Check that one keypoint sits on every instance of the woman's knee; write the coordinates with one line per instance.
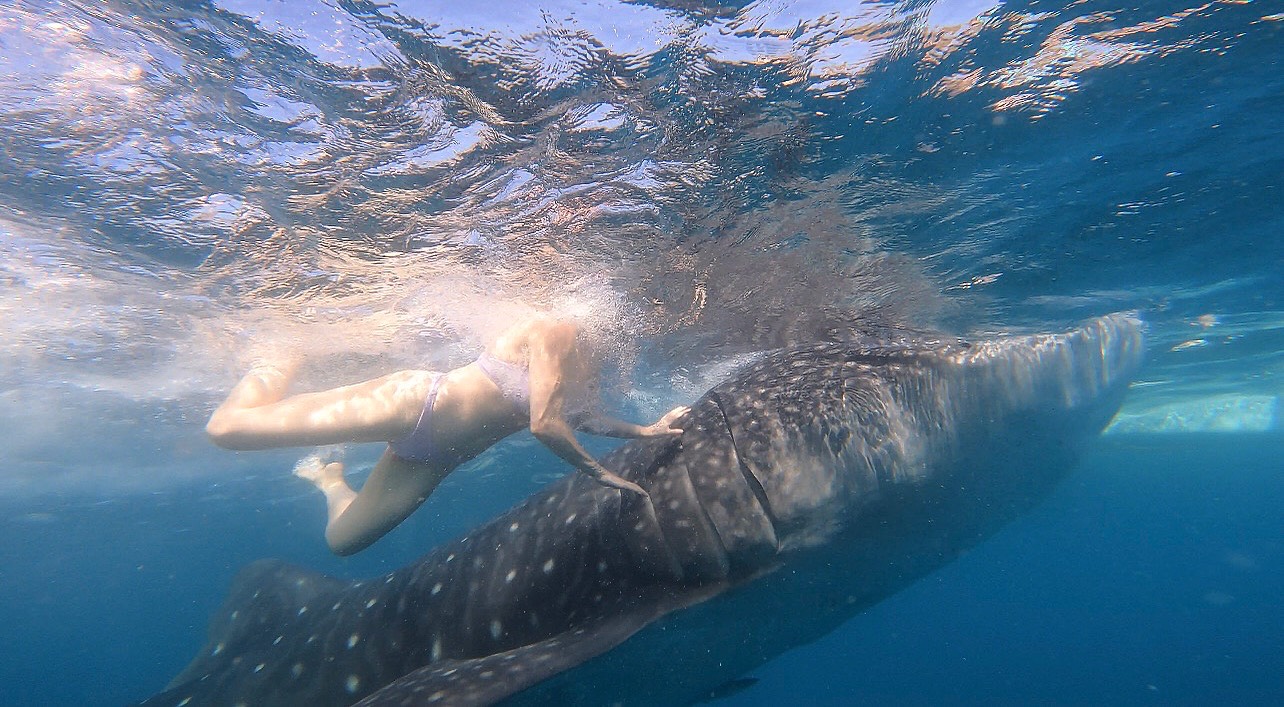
(343, 542)
(222, 429)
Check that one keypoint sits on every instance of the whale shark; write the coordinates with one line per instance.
(808, 486)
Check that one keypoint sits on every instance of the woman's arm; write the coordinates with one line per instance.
(554, 363)
(606, 426)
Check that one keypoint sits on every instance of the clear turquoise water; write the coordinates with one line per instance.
(185, 187)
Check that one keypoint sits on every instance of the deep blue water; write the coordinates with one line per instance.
(185, 187)
(1151, 577)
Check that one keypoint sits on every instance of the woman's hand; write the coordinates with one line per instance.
(664, 425)
(604, 476)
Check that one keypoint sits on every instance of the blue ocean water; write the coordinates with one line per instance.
(185, 187)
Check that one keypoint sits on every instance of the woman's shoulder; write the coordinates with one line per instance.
(545, 330)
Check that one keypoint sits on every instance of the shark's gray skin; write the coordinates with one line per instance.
(812, 484)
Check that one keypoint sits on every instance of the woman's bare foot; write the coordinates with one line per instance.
(313, 469)
(328, 478)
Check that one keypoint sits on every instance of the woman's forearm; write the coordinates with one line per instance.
(598, 424)
(606, 426)
(557, 436)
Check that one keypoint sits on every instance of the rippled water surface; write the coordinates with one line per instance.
(185, 187)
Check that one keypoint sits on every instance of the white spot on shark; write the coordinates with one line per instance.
(302, 610)
(496, 629)
(217, 649)
(436, 589)
(570, 519)
(352, 683)
(436, 648)
(513, 528)
(512, 574)
(548, 566)
(296, 670)
(353, 639)
(278, 640)
(371, 603)
(259, 667)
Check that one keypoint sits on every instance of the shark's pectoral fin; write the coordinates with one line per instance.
(483, 681)
(489, 679)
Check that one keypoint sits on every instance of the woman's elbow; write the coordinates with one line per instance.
(541, 432)
(548, 431)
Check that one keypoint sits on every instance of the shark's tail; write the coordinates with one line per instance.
(270, 606)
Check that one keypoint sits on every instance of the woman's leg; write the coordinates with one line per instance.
(257, 415)
(396, 487)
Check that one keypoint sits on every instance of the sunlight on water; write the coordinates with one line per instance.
(180, 217)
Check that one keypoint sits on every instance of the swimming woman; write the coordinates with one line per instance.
(535, 374)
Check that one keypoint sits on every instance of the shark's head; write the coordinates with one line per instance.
(780, 455)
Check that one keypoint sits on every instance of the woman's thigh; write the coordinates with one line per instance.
(376, 410)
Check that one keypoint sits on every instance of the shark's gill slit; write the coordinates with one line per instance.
(754, 484)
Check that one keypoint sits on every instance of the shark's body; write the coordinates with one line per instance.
(809, 486)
